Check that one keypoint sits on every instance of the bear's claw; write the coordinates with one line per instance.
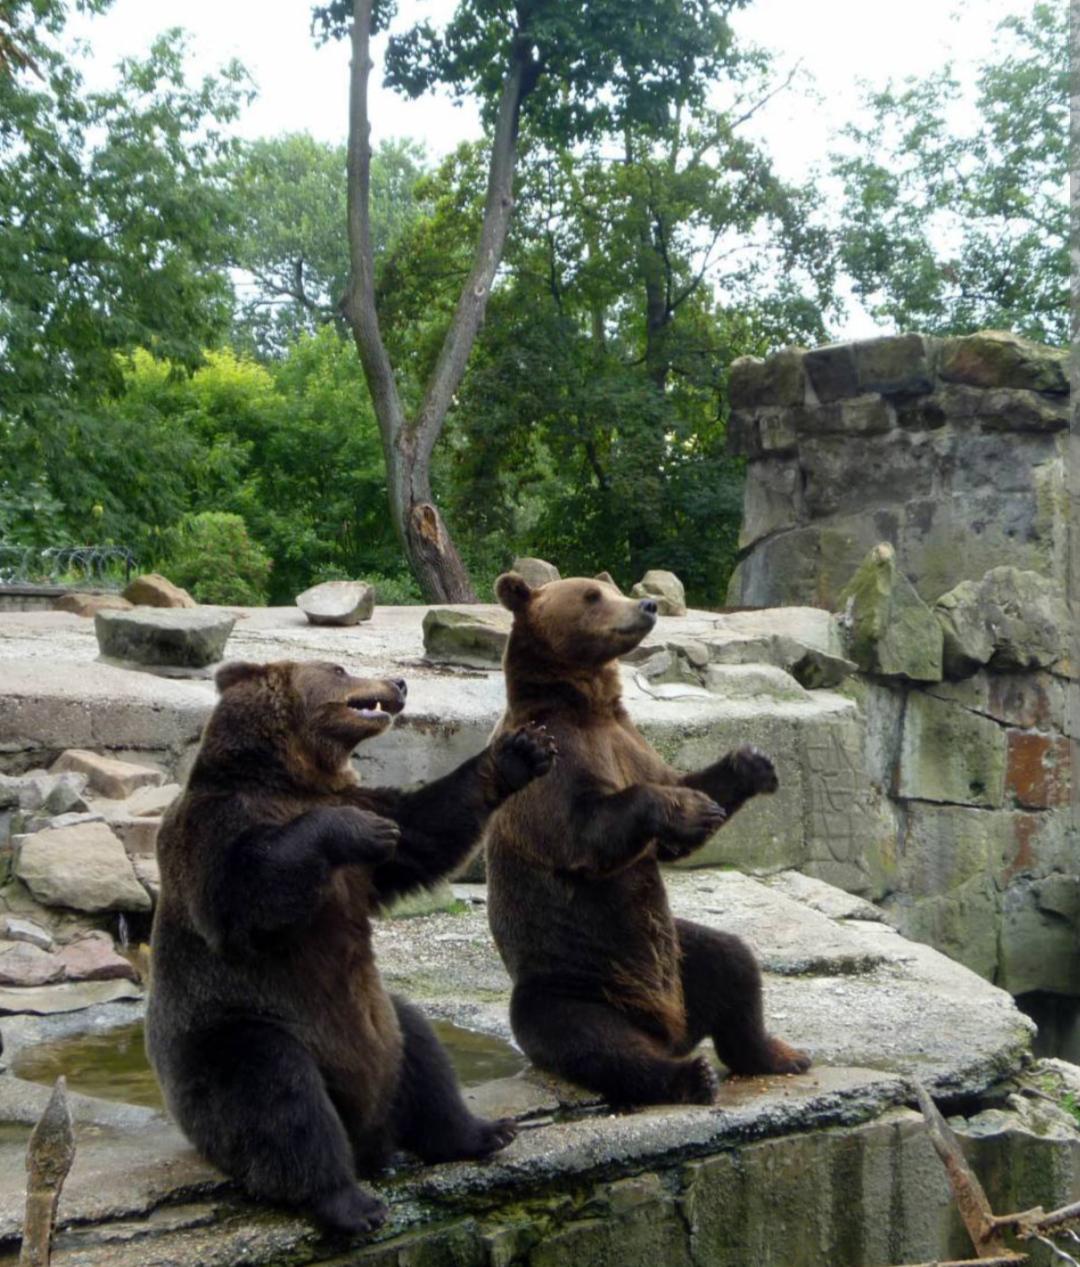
(349, 1212)
(524, 754)
(698, 1082)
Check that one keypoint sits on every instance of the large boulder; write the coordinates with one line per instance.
(80, 604)
(806, 642)
(44, 793)
(82, 867)
(154, 590)
(337, 602)
(183, 639)
(105, 775)
(94, 958)
(891, 631)
(1010, 620)
(999, 358)
(22, 964)
(466, 636)
(665, 588)
(536, 571)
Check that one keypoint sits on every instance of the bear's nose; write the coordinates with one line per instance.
(402, 685)
(648, 605)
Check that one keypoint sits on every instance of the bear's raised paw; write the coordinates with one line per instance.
(523, 755)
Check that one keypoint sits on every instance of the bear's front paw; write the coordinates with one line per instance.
(696, 1082)
(753, 771)
(689, 817)
(366, 837)
(524, 755)
(349, 1211)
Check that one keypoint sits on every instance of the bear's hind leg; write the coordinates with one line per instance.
(722, 990)
(600, 1048)
(430, 1117)
(251, 1099)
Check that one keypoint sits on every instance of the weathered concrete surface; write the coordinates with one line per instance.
(825, 1168)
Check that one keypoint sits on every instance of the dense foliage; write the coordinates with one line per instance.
(955, 229)
(176, 374)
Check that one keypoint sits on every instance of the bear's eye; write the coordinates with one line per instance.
(340, 671)
(593, 596)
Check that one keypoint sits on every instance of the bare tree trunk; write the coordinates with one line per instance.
(408, 445)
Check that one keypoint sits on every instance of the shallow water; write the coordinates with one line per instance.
(113, 1064)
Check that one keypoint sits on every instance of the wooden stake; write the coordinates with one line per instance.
(48, 1159)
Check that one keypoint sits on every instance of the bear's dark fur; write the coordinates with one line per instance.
(610, 991)
(281, 1055)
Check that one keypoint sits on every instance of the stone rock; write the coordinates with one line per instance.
(186, 639)
(15, 929)
(666, 588)
(82, 867)
(803, 641)
(1010, 620)
(337, 602)
(154, 590)
(779, 380)
(67, 996)
(46, 793)
(832, 372)
(892, 632)
(137, 835)
(751, 681)
(1038, 769)
(536, 571)
(149, 876)
(93, 958)
(90, 604)
(22, 964)
(949, 754)
(897, 364)
(861, 415)
(41, 822)
(1037, 946)
(466, 636)
(106, 775)
(152, 802)
(771, 500)
(998, 358)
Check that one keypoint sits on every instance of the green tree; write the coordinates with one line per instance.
(950, 230)
(291, 448)
(291, 249)
(114, 219)
(572, 72)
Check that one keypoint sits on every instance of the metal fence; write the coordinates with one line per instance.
(74, 567)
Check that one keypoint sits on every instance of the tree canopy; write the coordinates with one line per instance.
(952, 229)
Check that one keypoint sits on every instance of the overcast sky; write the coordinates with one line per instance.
(304, 88)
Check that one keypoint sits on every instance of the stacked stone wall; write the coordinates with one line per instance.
(956, 453)
(951, 450)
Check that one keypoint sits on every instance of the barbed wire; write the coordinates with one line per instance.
(74, 566)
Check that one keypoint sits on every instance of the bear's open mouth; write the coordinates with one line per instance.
(369, 706)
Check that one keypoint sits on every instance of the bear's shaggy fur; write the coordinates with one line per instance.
(281, 1056)
(610, 991)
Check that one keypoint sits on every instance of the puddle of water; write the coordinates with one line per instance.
(113, 1064)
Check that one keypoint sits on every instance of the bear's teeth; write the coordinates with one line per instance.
(378, 706)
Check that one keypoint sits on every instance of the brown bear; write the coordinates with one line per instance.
(281, 1056)
(609, 990)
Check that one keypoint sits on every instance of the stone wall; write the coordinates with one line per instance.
(956, 453)
(952, 450)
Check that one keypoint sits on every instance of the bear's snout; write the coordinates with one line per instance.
(648, 605)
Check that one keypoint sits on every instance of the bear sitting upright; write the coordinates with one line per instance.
(610, 991)
(280, 1054)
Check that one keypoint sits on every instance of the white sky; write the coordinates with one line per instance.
(302, 88)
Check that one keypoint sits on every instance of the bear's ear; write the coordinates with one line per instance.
(513, 591)
(607, 578)
(237, 671)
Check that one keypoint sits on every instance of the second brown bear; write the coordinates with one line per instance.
(610, 991)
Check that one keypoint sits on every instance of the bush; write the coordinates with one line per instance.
(212, 556)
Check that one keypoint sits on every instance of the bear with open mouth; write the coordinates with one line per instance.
(281, 1055)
